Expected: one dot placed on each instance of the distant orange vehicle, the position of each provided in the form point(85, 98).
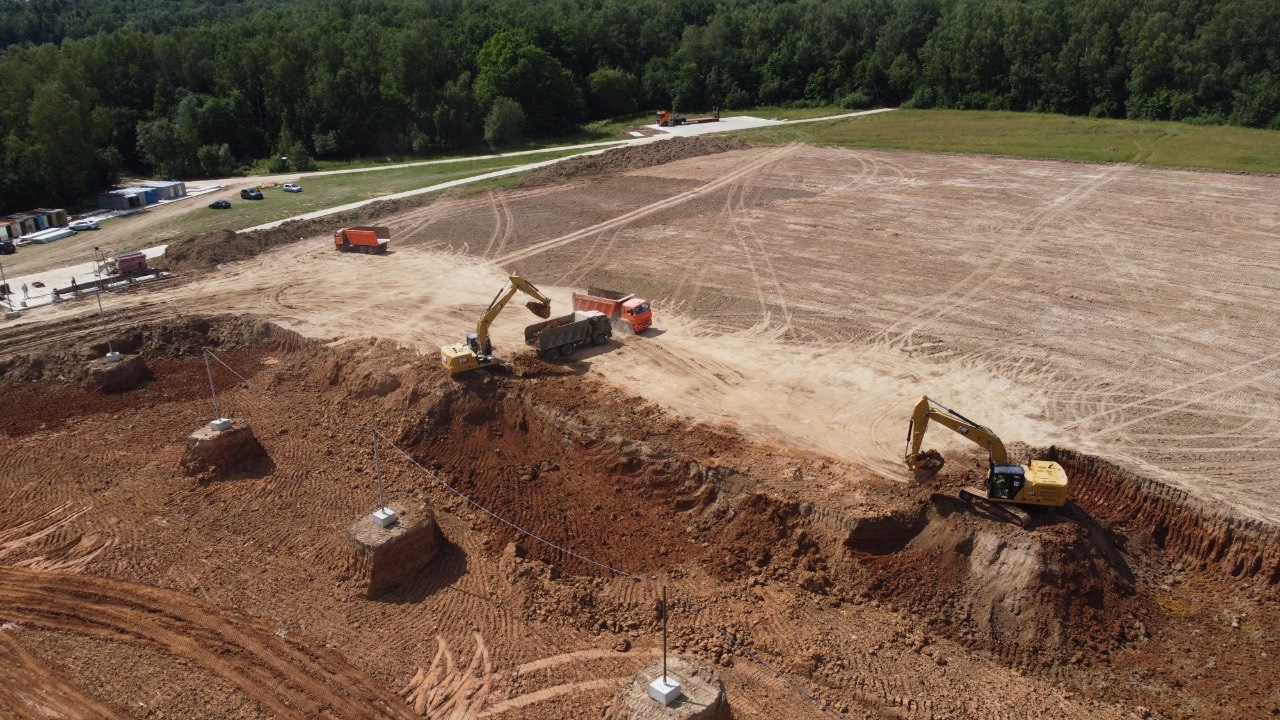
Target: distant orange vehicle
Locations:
point(667, 119)
point(368, 239)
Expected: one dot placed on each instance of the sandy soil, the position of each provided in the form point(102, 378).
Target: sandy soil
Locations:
point(814, 294)
point(804, 299)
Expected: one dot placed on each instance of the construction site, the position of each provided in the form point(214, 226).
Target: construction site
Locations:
point(743, 453)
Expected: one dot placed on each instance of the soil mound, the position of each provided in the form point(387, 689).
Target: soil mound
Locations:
point(69, 361)
point(633, 157)
point(1034, 596)
point(1186, 531)
point(208, 250)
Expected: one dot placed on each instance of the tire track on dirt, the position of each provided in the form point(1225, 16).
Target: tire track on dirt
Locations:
point(632, 216)
point(30, 337)
point(751, 244)
point(32, 690)
point(1006, 251)
point(1179, 391)
point(286, 678)
point(728, 219)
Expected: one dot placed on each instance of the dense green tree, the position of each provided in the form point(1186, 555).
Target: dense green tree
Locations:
point(161, 87)
point(613, 92)
point(216, 160)
point(511, 66)
point(504, 125)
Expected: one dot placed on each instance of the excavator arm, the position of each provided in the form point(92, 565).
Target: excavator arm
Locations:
point(928, 410)
point(540, 306)
point(476, 352)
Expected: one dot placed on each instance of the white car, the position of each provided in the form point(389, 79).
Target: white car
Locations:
point(292, 187)
point(84, 225)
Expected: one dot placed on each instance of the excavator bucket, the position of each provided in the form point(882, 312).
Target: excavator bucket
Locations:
point(542, 310)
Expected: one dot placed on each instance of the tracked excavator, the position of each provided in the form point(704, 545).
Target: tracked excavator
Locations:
point(1041, 482)
point(477, 352)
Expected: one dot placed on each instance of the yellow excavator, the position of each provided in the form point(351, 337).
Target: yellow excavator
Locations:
point(477, 352)
point(1041, 482)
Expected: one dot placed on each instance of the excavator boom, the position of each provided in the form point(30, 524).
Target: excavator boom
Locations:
point(477, 352)
point(927, 410)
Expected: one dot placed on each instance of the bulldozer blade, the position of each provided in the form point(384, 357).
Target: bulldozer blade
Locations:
point(542, 310)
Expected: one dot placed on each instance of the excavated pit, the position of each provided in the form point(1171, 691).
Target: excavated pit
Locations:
point(615, 479)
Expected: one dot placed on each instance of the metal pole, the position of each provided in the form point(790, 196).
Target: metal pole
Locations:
point(102, 316)
point(377, 469)
point(664, 635)
point(4, 282)
point(212, 390)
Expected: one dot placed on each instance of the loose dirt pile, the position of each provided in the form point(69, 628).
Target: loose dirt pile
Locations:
point(847, 598)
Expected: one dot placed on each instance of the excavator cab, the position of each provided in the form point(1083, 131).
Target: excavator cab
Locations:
point(1005, 482)
point(473, 342)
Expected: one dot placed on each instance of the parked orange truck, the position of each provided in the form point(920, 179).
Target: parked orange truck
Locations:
point(366, 239)
point(668, 119)
point(626, 311)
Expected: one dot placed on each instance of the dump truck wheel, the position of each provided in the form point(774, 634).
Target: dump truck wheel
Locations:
point(599, 338)
point(345, 247)
point(566, 350)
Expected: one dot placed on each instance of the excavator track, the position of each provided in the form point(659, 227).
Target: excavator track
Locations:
point(1009, 512)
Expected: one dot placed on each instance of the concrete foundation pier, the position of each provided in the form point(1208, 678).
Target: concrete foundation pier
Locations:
point(384, 557)
point(701, 693)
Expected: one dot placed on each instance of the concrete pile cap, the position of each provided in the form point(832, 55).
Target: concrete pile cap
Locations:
point(410, 513)
point(702, 695)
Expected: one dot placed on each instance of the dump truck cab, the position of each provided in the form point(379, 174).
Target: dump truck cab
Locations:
point(637, 314)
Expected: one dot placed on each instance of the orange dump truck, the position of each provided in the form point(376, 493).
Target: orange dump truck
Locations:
point(368, 239)
point(626, 311)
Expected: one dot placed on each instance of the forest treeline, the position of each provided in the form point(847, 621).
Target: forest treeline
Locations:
point(186, 88)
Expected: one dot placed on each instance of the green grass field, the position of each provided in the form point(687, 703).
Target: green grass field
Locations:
point(1044, 136)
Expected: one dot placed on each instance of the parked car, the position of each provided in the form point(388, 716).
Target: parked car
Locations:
point(79, 225)
point(251, 194)
point(219, 205)
point(292, 187)
point(7, 247)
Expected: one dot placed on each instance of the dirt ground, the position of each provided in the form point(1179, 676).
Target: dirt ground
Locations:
point(746, 450)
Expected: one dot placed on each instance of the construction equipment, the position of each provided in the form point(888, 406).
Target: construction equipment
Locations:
point(560, 336)
point(134, 263)
point(368, 239)
point(629, 313)
point(1041, 482)
point(667, 119)
point(477, 352)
